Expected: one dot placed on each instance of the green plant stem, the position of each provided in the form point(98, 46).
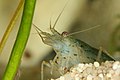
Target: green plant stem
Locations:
point(21, 40)
point(11, 25)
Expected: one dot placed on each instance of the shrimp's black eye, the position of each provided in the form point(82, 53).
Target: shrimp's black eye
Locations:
point(64, 34)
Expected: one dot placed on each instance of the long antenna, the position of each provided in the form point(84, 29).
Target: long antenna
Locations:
point(59, 15)
point(84, 30)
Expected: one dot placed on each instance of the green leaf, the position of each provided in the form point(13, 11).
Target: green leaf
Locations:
point(21, 40)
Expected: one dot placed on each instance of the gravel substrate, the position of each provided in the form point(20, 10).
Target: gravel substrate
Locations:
point(108, 70)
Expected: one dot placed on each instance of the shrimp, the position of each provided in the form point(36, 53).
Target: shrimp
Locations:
point(69, 51)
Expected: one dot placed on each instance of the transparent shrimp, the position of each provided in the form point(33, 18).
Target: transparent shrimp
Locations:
point(69, 51)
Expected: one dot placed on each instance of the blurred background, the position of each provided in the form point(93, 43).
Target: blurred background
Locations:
point(78, 15)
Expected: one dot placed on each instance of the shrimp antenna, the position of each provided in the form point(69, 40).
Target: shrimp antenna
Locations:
point(59, 16)
point(37, 29)
point(84, 30)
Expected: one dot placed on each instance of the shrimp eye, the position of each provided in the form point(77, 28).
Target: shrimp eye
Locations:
point(64, 34)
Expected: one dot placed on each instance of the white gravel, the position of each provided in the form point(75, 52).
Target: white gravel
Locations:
point(108, 70)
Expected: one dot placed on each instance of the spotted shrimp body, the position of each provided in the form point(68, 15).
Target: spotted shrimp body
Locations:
point(69, 51)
